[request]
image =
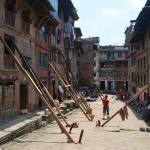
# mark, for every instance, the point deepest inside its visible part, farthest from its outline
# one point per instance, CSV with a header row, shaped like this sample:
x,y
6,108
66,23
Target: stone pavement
x,y
19,125
95,138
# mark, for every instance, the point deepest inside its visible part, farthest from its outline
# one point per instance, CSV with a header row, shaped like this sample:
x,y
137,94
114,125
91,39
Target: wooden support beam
x,y
63,82
30,80
133,98
81,135
40,85
115,114
74,94
78,97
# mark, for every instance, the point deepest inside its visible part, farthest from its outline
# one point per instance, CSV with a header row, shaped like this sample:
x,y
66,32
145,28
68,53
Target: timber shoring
x,y
31,81
128,102
68,88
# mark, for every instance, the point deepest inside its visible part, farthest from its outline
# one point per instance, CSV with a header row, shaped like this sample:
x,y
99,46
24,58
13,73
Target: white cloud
x,y
110,12
137,4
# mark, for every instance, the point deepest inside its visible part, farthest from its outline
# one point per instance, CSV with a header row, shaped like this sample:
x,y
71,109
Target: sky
x,y
107,19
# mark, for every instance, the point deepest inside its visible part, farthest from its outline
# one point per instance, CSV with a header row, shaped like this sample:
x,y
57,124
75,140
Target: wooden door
x,y
23,96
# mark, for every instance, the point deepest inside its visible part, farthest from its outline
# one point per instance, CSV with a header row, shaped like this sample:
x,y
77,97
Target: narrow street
x,y
116,135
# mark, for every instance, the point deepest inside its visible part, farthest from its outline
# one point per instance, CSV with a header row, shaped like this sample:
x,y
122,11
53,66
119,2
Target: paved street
x,y
94,138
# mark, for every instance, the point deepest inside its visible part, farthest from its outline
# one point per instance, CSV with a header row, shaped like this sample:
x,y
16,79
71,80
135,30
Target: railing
x,y
25,26
9,62
9,17
112,59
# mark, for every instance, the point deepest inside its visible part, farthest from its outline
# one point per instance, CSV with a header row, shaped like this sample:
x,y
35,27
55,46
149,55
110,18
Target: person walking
x,y
105,102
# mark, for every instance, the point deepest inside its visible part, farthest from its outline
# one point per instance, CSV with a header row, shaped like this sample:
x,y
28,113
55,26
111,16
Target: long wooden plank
x,y
133,98
39,83
76,101
79,97
30,80
76,96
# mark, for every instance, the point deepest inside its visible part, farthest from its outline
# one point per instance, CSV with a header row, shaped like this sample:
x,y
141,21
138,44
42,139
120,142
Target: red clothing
x,y
124,113
105,102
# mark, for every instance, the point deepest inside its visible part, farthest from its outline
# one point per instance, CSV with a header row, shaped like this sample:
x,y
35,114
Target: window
x,y
110,74
132,76
142,44
144,62
42,33
102,65
10,12
149,34
102,73
42,61
119,54
94,63
126,54
141,80
141,62
94,54
25,20
138,64
144,79
138,80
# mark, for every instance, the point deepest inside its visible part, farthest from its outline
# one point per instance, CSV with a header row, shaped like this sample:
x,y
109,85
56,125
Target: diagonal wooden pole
x,y
79,97
30,80
133,98
39,83
71,89
76,100
72,78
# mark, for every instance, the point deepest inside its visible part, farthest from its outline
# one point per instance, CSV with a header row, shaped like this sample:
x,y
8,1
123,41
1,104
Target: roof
x,y
142,22
113,48
69,8
45,4
92,40
44,7
78,31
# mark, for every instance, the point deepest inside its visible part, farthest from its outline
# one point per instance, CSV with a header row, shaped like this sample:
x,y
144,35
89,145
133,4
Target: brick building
x,y
19,21
113,68
138,42
61,48
43,31
87,62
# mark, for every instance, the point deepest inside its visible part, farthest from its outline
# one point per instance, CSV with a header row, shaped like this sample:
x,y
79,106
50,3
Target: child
x,y
105,107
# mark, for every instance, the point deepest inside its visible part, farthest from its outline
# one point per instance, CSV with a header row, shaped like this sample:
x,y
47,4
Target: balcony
x,y
25,26
10,17
112,59
9,62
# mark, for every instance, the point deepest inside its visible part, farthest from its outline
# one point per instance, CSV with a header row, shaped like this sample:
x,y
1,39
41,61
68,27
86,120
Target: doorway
x,y
23,96
109,85
53,87
102,85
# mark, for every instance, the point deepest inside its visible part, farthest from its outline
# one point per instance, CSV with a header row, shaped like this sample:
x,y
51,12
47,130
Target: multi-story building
x,y
113,68
43,31
88,62
78,51
20,22
138,42
61,49
43,42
